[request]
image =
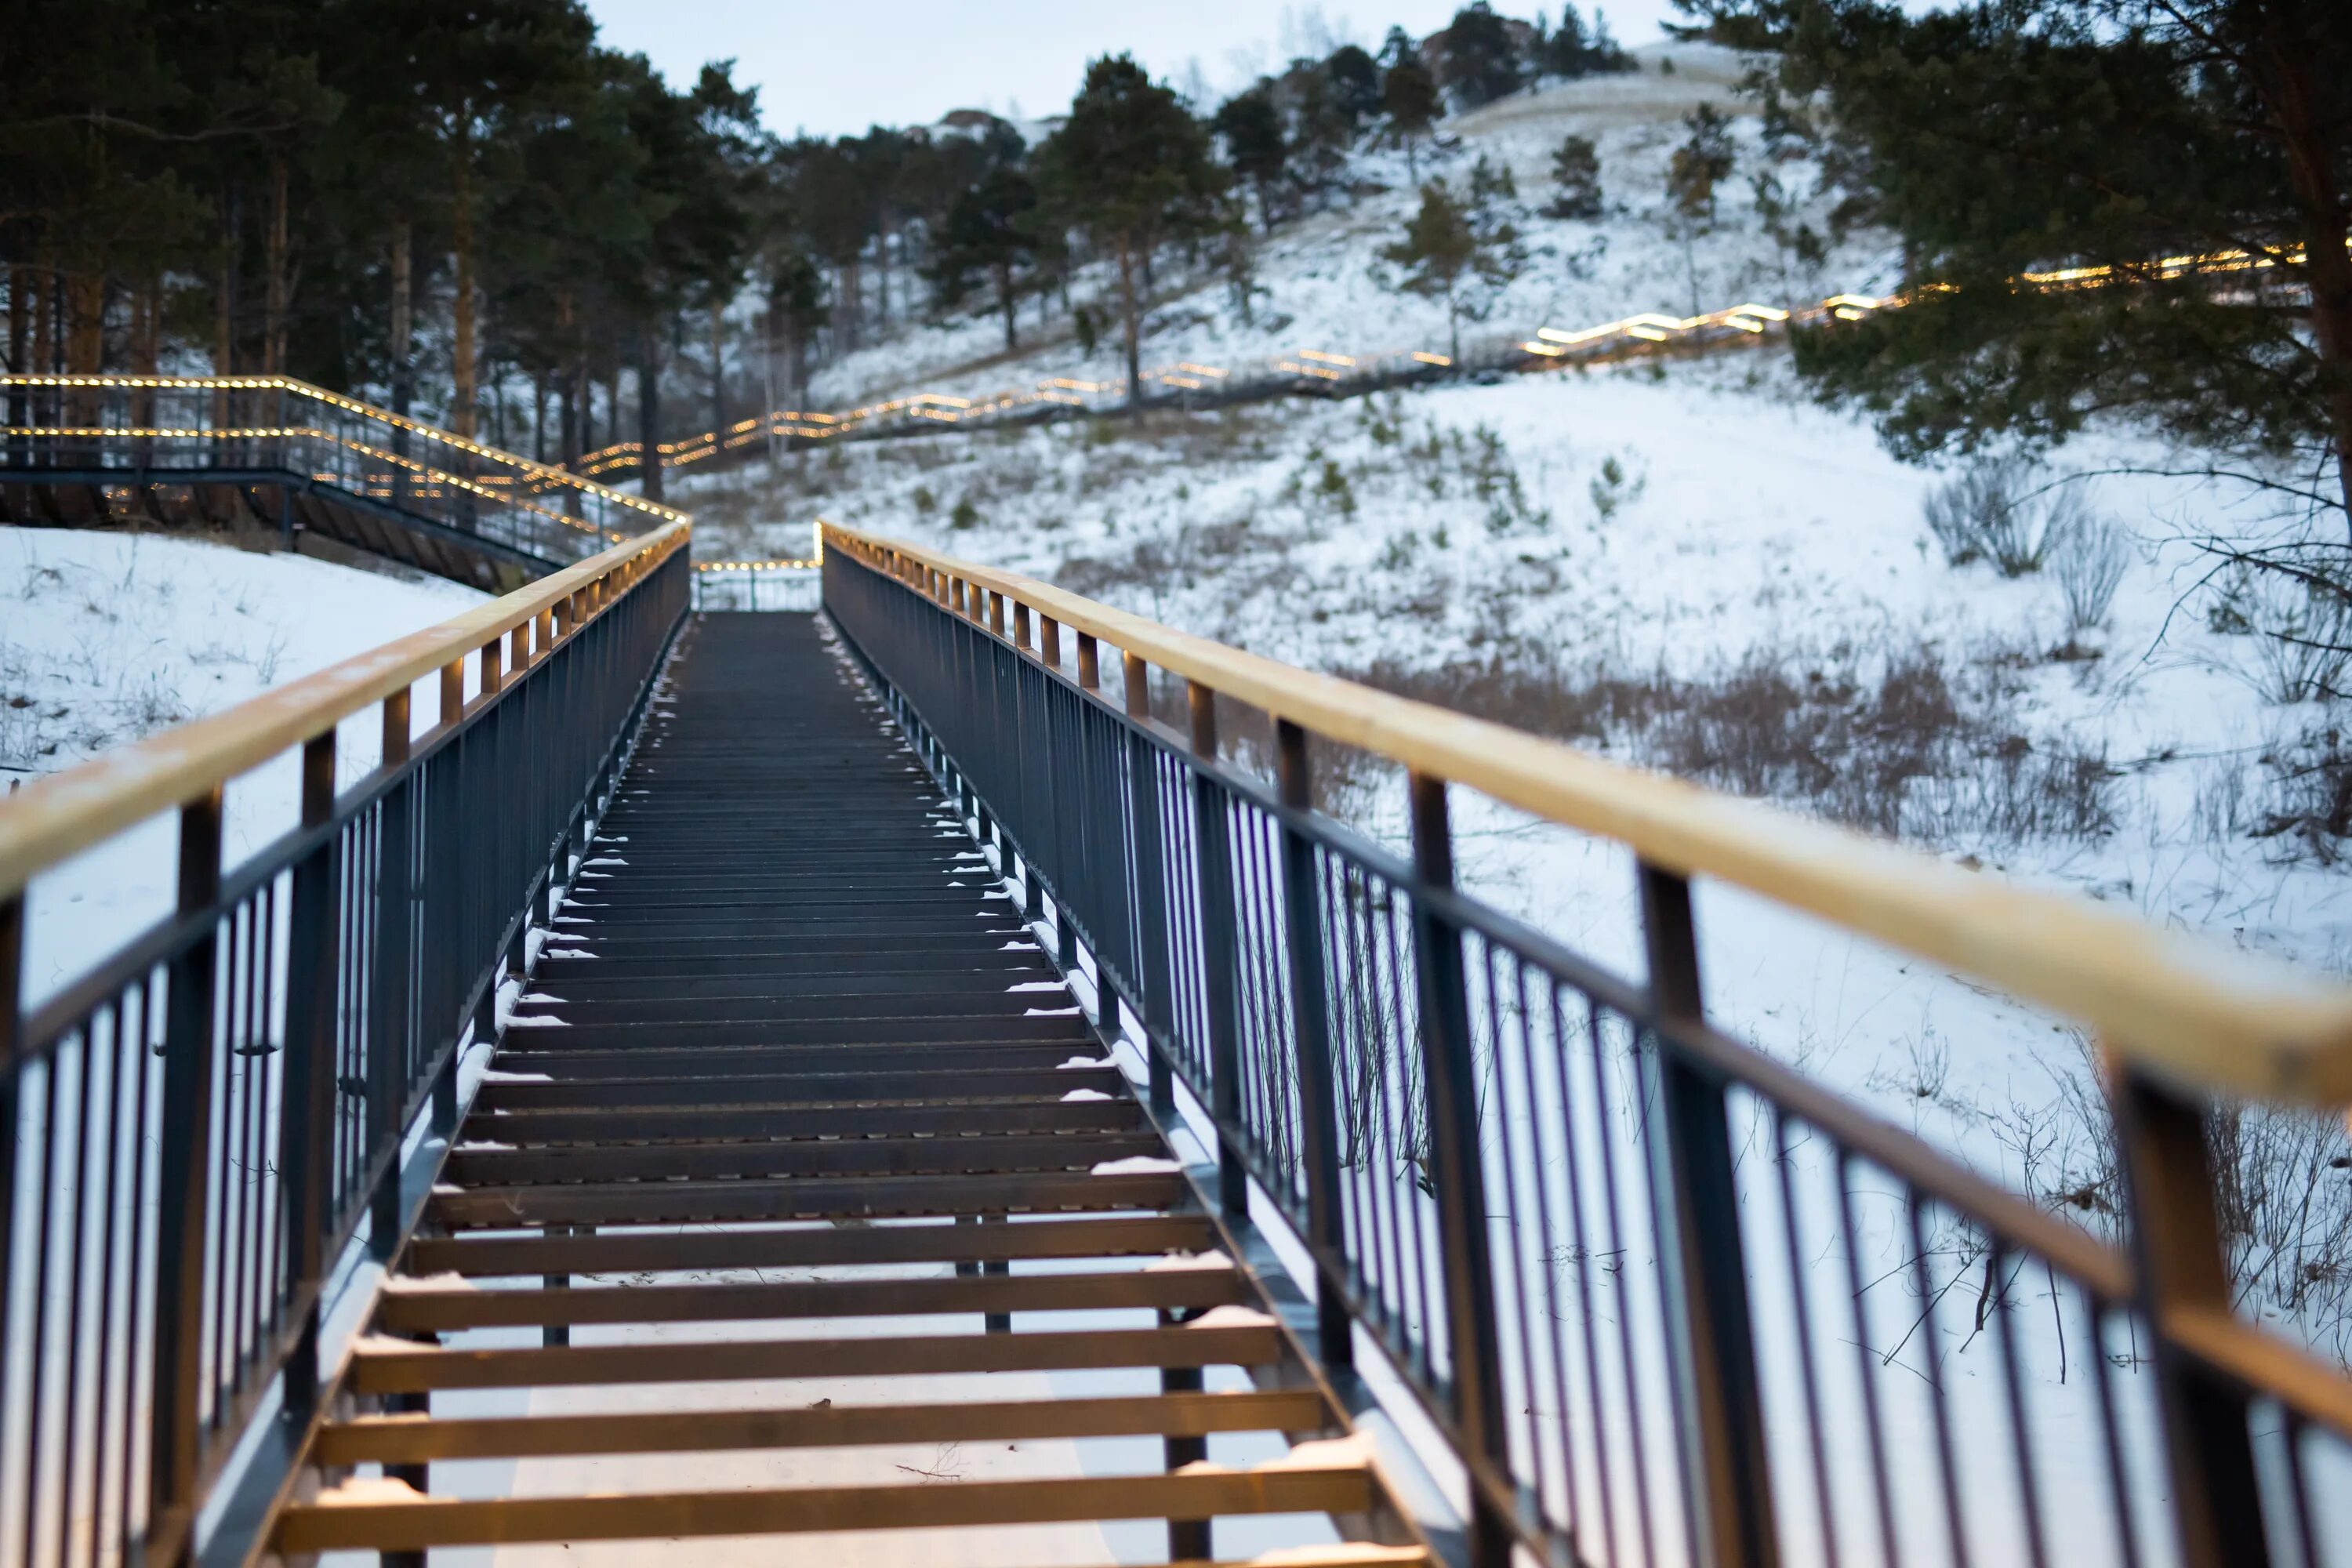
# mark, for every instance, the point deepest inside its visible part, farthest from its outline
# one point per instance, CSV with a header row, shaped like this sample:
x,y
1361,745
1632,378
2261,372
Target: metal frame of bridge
x,y
893,951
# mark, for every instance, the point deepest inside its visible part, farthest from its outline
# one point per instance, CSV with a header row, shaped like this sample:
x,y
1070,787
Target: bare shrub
x,y
2303,640
2282,1185
1993,512
2089,563
1891,742
2309,800
2221,813
2017,791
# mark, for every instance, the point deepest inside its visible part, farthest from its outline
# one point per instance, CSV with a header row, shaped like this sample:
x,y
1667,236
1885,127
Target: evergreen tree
x,y
1458,250
2041,134
1250,127
1701,164
1409,99
1131,165
991,230
1479,61
1355,79
1576,179
1698,167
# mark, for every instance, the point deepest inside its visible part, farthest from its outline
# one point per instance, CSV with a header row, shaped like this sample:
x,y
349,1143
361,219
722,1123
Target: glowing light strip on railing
x,y
434,476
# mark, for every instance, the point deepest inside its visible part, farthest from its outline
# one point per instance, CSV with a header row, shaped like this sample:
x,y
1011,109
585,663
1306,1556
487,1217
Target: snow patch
x,y
1184,1262
1232,1317
425,1284
1135,1165
365,1489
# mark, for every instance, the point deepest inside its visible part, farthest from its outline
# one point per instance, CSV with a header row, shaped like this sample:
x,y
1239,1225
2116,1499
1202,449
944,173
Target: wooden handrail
x,y
56,817
2189,1010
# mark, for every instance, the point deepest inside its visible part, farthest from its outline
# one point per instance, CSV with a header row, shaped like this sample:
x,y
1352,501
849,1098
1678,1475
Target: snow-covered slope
x,y
107,637
1319,274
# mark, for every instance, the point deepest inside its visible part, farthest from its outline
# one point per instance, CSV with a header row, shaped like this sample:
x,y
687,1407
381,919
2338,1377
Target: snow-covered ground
x,y
108,637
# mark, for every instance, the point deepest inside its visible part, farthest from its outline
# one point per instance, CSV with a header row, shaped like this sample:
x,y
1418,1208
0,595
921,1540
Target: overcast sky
x,y
834,68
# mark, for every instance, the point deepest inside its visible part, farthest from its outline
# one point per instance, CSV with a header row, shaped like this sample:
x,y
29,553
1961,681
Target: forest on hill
x,y
467,206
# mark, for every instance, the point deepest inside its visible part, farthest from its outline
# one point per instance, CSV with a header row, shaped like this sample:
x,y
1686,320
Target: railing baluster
x,y
1155,975
308,1094
184,1158
1302,905
1457,1172
1726,1467
391,1067
2176,1239
1220,958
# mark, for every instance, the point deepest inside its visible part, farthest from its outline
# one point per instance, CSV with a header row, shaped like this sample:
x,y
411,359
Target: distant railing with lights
x,y
1670,1301
131,430
1191,385
787,584
207,1126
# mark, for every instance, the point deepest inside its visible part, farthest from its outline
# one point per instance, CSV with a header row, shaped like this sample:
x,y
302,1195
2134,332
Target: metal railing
x,y
1669,1301
210,1121
147,430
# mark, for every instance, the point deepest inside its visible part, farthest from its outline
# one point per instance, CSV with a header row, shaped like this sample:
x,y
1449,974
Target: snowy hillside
x,y
108,637
1318,275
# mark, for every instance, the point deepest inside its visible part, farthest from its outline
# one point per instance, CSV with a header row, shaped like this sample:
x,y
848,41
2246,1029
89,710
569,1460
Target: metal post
x,y
1188,1539
1302,900
12,1001
389,1064
1726,1467
1220,961
1458,1174
185,1159
1154,969
2180,1265
307,1093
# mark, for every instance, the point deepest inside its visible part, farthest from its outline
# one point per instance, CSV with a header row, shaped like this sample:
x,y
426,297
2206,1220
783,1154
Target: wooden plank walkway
x,y
795,1102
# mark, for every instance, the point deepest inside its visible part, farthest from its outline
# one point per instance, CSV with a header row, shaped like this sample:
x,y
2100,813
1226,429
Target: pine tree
x,y
1355,80
1479,62
2042,134
1699,166
1250,127
1576,177
1409,99
1132,167
992,229
1458,250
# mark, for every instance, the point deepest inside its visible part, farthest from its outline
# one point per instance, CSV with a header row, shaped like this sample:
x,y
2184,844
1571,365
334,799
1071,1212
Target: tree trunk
x,y
2327,268
539,417
461,242
567,424
224,298
649,413
718,367
20,324
882,266
1131,318
273,332
1005,297
403,310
